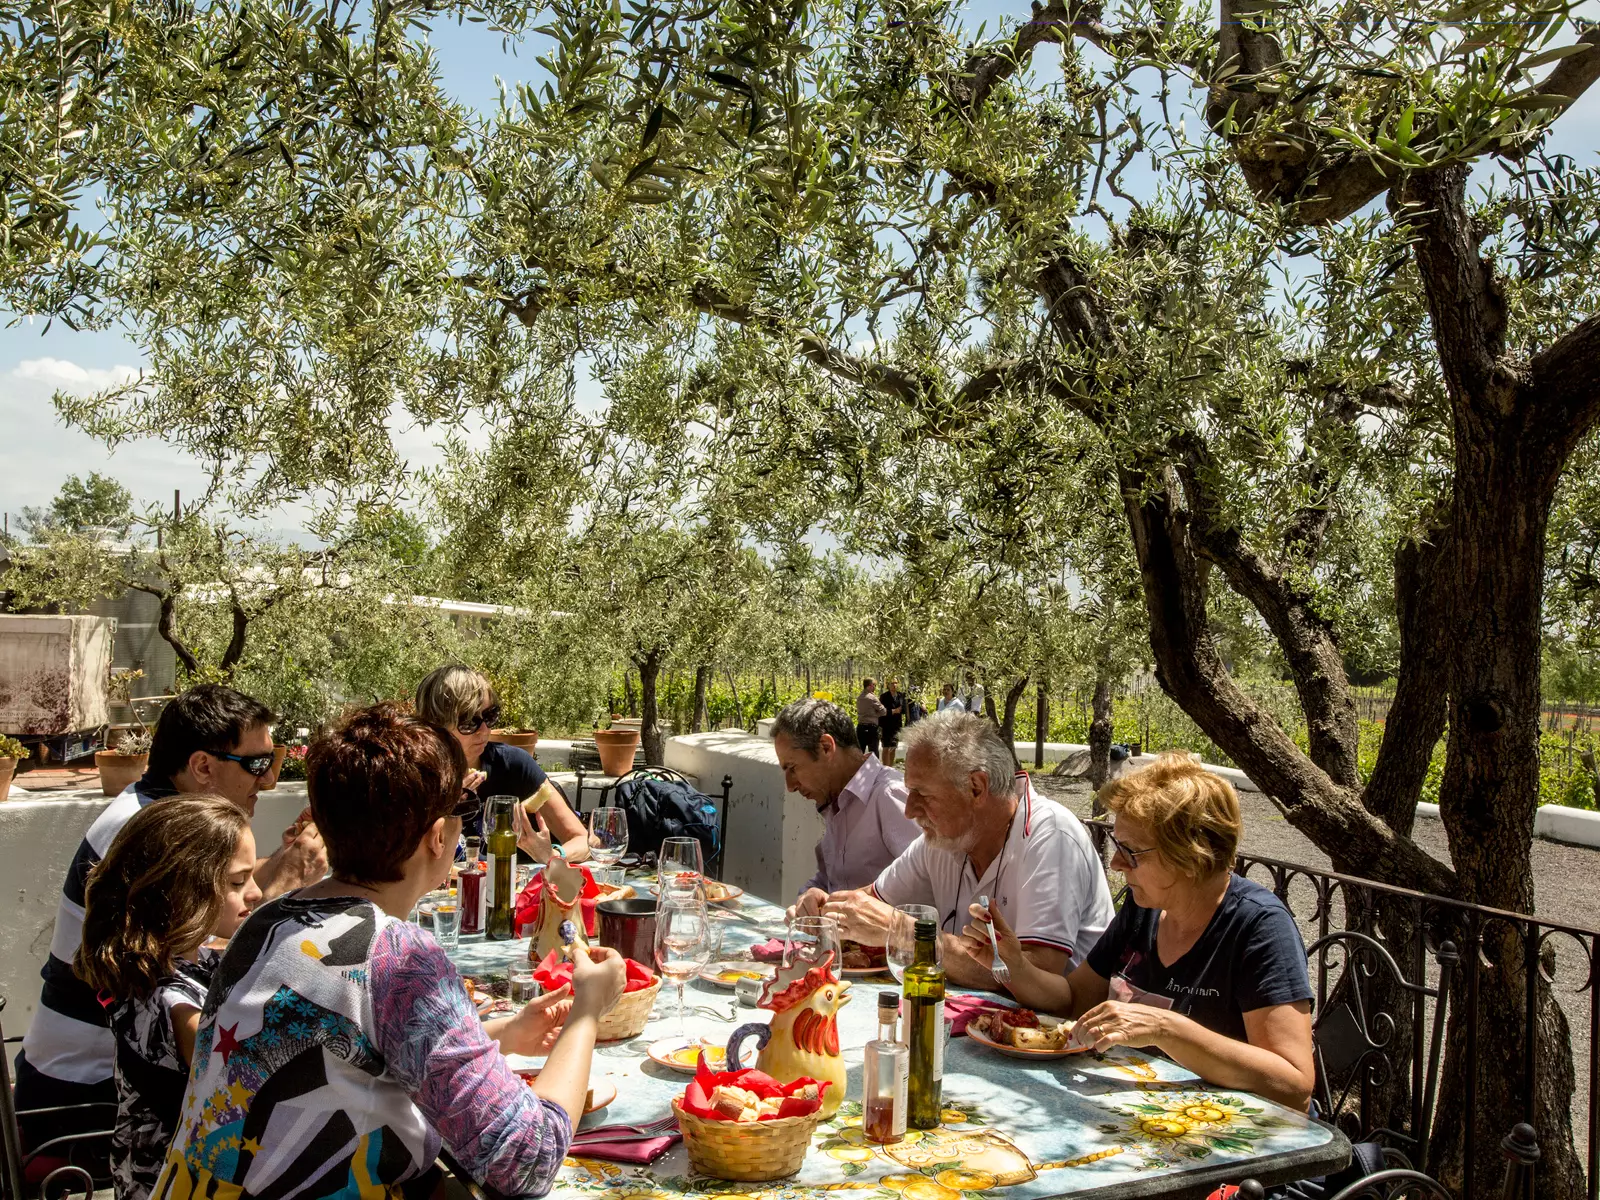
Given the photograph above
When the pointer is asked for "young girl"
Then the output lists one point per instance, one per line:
(179, 872)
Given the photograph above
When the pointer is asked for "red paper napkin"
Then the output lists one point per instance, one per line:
(959, 1011)
(769, 951)
(697, 1099)
(555, 972)
(527, 905)
(639, 1153)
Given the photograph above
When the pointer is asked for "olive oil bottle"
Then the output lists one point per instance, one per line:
(502, 856)
(924, 1022)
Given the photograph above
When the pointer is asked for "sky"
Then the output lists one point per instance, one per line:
(39, 451)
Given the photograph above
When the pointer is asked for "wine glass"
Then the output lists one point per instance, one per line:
(680, 869)
(902, 942)
(683, 946)
(608, 835)
(810, 940)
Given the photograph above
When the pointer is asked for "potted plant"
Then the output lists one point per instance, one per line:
(516, 722)
(121, 766)
(11, 753)
(616, 748)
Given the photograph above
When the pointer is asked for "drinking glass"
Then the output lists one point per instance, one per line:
(524, 987)
(447, 924)
(810, 940)
(680, 869)
(902, 942)
(684, 945)
(608, 835)
(610, 876)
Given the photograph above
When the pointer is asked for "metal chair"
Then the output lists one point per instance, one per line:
(1520, 1148)
(1353, 1041)
(64, 1180)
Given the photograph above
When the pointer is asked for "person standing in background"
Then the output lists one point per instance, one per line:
(947, 699)
(869, 711)
(972, 697)
(894, 715)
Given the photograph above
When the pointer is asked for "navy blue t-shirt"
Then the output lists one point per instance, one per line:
(511, 772)
(1250, 956)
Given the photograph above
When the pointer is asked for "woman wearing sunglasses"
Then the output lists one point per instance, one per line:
(459, 699)
(1203, 965)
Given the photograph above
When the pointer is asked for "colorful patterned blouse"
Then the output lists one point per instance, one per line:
(337, 1048)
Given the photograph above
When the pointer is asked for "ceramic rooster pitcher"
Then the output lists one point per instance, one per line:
(803, 1038)
(560, 920)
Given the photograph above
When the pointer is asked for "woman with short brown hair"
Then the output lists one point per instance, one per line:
(338, 1042)
(1203, 965)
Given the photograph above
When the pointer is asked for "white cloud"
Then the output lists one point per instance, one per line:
(60, 374)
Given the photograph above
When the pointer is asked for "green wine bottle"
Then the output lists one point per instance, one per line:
(924, 1019)
(502, 843)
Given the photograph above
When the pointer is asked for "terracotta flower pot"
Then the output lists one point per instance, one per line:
(616, 747)
(279, 753)
(522, 739)
(117, 771)
(8, 768)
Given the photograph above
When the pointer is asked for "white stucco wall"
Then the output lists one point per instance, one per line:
(772, 832)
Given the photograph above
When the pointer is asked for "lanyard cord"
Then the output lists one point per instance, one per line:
(953, 920)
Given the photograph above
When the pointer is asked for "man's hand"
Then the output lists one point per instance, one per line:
(809, 905)
(535, 1029)
(862, 917)
(301, 860)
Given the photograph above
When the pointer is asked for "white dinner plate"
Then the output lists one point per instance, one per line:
(683, 1054)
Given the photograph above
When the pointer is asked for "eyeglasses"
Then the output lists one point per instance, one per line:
(1131, 855)
(489, 716)
(468, 806)
(252, 764)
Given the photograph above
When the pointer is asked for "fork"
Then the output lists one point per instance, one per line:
(649, 1129)
(1001, 972)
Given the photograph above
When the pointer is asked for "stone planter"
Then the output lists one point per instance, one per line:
(522, 739)
(117, 771)
(279, 753)
(8, 768)
(616, 747)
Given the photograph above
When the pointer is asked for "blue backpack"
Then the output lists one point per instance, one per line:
(659, 809)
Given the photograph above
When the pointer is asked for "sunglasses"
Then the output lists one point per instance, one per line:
(468, 806)
(1131, 855)
(252, 764)
(489, 716)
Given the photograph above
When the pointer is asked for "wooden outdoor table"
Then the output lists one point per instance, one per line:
(1132, 1125)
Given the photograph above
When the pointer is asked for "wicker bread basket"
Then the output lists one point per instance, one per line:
(746, 1151)
(631, 1014)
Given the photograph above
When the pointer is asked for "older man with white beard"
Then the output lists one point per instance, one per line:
(984, 833)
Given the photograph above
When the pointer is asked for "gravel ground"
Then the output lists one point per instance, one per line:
(1565, 894)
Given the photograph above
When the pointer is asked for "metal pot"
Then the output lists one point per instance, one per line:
(629, 928)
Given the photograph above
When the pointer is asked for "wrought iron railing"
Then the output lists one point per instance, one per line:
(1565, 957)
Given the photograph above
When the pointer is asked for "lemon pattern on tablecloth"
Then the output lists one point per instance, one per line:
(1188, 1125)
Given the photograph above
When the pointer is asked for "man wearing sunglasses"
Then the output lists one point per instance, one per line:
(210, 740)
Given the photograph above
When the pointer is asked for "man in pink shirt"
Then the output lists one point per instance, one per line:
(862, 802)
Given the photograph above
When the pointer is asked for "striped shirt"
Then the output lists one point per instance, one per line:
(70, 1038)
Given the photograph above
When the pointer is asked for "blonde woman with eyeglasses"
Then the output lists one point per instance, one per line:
(460, 700)
(1199, 963)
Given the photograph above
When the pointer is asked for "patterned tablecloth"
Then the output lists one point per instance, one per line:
(1131, 1125)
